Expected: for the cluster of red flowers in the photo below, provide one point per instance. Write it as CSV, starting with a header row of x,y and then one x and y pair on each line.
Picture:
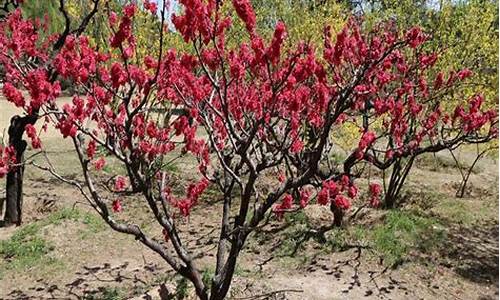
x,y
366,141
196,19
150,6
245,12
120,183
474,119
375,191
331,191
117,206
281,208
193,193
13,95
124,32
7,159
31,133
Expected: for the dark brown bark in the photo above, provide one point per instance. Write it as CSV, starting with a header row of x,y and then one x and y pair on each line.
x,y
14,197
338,215
14,184
396,182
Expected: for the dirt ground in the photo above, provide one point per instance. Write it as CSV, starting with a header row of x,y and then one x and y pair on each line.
x,y
87,260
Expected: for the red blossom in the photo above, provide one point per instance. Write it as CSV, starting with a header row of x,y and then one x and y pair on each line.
x,y
323,197
374,191
13,95
91,149
297,146
31,133
463,74
117,206
305,196
245,11
285,204
352,191
129,10
366,141
342,202
415,37
275,48
150,6
7,158
120,183
99,163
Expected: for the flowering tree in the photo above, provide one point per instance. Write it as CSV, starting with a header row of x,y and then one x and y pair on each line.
x,y
463,36
268,114
408,114
22,52
274,111
463,126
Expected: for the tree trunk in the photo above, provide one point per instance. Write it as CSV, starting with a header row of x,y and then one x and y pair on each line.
x,y
14,184
399,174
14,197
221,287
461,190
133,180
338,215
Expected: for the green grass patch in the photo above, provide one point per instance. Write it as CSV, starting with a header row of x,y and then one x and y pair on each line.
x,y
63,214
27,248
402,232
172,168
341,239
24,249
295,233
396,237
467,211
298,217
182,288
94,223
456,211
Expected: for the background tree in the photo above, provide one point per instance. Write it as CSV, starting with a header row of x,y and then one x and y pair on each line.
x,y
27,60
64,18
464,35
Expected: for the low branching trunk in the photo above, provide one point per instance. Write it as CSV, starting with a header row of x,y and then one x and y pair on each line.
x,y
400,170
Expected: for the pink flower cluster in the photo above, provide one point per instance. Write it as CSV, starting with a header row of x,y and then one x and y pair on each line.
x,y
331,192
7,159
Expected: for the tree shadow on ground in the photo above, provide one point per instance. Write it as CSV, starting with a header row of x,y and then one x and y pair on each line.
x,y
473,252
350,267
95,282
